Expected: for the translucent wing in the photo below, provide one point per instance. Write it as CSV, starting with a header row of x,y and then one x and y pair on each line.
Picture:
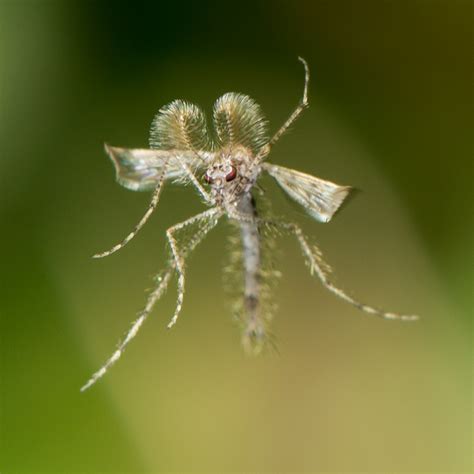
x,y
320,198
238,120
179,126
141,169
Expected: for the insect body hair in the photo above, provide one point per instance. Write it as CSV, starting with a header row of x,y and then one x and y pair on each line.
x,y
230,163
252,312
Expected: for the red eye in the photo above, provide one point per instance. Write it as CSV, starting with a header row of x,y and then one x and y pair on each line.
x,y
207,178
231,174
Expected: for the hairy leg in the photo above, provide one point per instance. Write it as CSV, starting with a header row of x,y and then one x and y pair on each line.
x,y
195,181
153,203
162,283
303,104
299,109
322,269
208,219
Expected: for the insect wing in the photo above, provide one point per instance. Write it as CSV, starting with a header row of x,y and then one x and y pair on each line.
x,y
141,169
320,198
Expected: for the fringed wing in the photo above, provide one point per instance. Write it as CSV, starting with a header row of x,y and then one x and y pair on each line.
x,y
320,198
239,121
178,139
179,126
141,169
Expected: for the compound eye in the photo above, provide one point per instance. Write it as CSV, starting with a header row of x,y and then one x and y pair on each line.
x,y
231,174
208,179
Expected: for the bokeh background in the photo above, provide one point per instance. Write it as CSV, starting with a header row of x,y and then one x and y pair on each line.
x,y
391,113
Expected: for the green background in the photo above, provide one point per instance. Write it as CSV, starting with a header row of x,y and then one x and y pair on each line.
x,y
391,113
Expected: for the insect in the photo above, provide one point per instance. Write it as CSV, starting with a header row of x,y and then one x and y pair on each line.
x,y
224,171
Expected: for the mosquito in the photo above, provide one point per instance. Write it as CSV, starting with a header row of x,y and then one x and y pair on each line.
x,y
224,169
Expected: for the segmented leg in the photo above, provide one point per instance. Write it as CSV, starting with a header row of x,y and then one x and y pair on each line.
x,y
210,217
321,268
205,195
162,283
301,106
153,203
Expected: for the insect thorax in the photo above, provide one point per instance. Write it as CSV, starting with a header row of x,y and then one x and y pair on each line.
x,y
232,174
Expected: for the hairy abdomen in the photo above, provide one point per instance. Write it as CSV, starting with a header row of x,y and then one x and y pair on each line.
x,y
254,330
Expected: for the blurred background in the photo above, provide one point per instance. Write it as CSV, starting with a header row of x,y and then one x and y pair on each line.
x,y
391,113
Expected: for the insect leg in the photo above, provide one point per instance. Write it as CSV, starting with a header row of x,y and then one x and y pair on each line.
x,y
205,195
299,109
152,206
209,219
162,283
322,269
